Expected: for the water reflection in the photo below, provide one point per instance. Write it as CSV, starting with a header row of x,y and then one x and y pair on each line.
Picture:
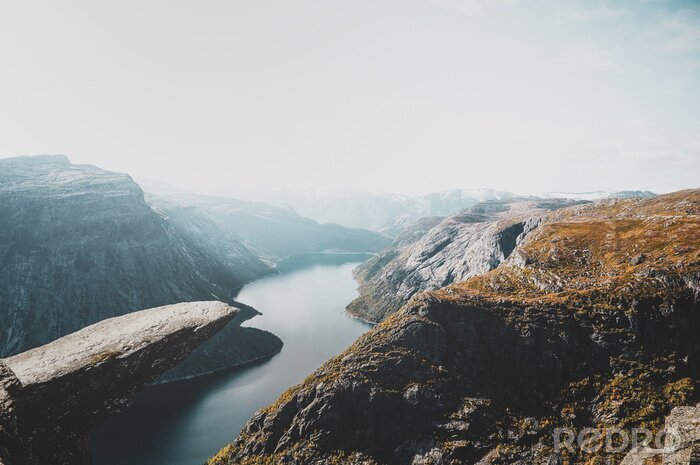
x,y
186,422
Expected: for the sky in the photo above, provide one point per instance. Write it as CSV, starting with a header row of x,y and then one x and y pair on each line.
x,y
406,96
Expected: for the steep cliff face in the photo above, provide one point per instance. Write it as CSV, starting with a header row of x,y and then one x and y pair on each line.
x,y
593,322
53,396
429,254
79,244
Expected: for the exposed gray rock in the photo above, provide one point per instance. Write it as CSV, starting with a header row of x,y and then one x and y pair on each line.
x,y
79,244
53,396
9,386
430,254
487,370
681,444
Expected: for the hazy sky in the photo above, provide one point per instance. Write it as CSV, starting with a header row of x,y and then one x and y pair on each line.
x,y
405,95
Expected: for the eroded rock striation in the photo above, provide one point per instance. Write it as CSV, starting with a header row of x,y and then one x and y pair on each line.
x,y
433,253
592,322
53,396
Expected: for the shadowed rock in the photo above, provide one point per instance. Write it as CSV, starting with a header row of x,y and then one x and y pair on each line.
x,y
53,396
567,333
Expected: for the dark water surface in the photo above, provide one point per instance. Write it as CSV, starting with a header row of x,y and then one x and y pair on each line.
x,y
186,422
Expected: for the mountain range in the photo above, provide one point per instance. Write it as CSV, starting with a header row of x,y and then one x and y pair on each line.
x,y
273,232
589,324
390,213
79,244
500,319
435,252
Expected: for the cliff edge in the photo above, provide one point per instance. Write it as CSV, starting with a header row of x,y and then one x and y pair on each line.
x,y
592,322
53,396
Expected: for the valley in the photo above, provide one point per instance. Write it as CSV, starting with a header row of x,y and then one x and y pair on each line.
x,y
495,324
79,244
186,422
432,232
592,322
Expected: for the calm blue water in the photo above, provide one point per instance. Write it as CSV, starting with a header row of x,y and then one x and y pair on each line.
x,y
184,423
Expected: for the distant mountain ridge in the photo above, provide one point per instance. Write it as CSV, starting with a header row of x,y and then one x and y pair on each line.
x,y
383,212
390,213
273,232
599,195
79,244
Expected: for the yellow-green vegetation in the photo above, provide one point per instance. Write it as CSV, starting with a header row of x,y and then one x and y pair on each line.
x,y
102,356
589,255
638,396
307,454
618,280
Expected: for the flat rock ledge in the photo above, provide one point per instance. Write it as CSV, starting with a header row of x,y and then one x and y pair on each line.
x,y
52,397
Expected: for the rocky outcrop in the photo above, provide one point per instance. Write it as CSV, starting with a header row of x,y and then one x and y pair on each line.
x,y
79,244
233,346
9,437
591,323
53,396
431,254
680,444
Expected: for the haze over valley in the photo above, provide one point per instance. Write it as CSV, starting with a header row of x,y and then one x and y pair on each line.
x,y
417,232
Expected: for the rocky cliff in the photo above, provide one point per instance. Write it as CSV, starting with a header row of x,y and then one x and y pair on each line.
x,y
592,322
432,253
79,244
51,397
233,346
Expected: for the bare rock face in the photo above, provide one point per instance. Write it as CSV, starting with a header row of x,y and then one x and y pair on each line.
x,y
683,436
9,385
681,445
79,244
433,253
53,396
568,333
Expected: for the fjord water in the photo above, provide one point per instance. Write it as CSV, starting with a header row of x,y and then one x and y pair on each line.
x,y
186,422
